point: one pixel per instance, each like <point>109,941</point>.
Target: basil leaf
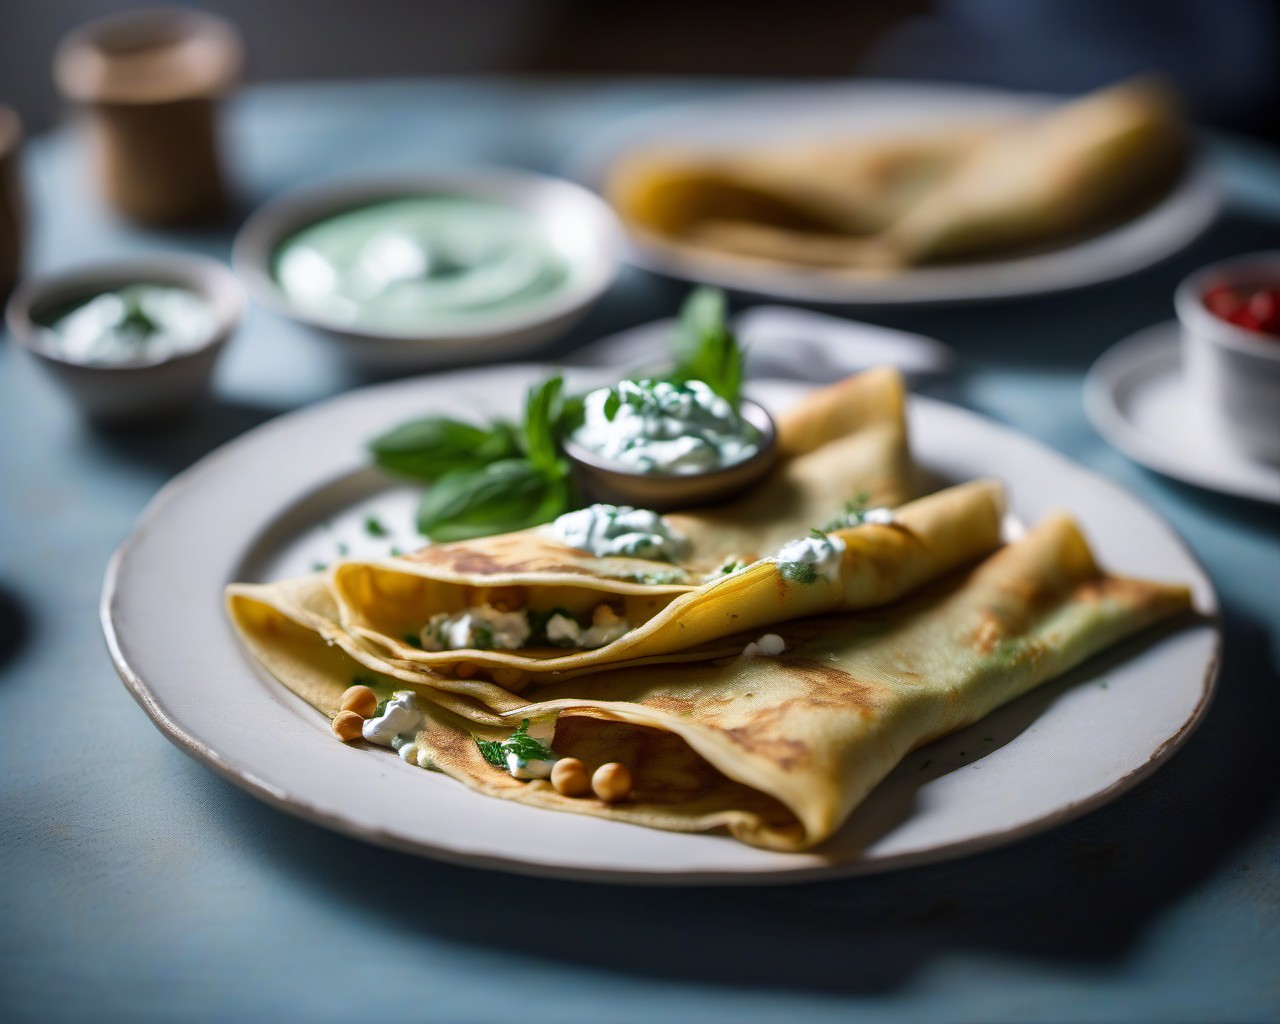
<point>427,449</point>
<point>504,496</point>
<point>541,421</point>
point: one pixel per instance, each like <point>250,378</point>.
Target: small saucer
<point>1136,398</point>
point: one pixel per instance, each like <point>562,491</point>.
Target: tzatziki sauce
<point>649,426</point>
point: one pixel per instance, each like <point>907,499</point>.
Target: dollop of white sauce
<point>606,530</point>
<point>520,769</point>
<point>768,646</point>
<point>400,719</point>
<point>480,627</point>
<point>878,516</point>
<point>543,730</point>
<point>823,552</point>
<point>662,427</point>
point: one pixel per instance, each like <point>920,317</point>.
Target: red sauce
<point>1255,309</point>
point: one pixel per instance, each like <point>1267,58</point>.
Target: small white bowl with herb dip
<point>433,270</point>
<point>666,445</point>
<point>131,339</point>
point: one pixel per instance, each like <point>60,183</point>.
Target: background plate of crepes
<point>883,192</point>
<point>295,499</point>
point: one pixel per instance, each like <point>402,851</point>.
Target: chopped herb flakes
<point>854,513</point>
<point>373,527</point>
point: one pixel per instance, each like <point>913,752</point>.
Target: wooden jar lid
<point>156,55</point>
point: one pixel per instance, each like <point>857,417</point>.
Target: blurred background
<point>1223,54</point>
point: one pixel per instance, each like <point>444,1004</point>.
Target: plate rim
<point>246,778</point>
<point>1197,195</point>
<point>1140,353</point>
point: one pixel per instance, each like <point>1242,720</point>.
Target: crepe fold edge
<point>1034,610</point>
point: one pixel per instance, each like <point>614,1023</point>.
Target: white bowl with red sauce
<point>1230,316</point>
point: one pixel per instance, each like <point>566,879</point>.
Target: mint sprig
<point>705,347</point>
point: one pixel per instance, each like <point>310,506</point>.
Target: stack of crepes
<point>929,624</point>
<point>900,201</point>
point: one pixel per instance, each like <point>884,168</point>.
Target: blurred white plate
<point>297,490</point>
<point>886,108</point>
<point>1136,398</point>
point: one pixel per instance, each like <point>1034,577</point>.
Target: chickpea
<point>612,782</point>
<point>569,777</point>
<point>605,615</point>
<point>348,726</point>
<point>465,669</point>
<point>506,599</point>
<point>508,677</point>
<point>360,699</point>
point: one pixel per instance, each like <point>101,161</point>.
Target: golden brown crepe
<point>1033,183</point>
<point>381,603</point>
<point>780,750</point>
<point>843,442</point>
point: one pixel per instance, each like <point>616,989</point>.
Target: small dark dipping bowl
<point>607,481</point>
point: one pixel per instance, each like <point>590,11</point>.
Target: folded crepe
<point>379,604</point>
<point>780,750</point>
<point>845,442</point>
<point>847,186</point>
<point>1034,183</point>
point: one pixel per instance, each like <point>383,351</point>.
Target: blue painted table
<point>136,885</point>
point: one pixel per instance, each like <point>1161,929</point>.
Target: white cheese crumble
<point>768,646</point>
<point>483,628</point>
<point>480,627</point>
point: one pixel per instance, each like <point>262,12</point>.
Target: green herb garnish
<point>798,572</point>
<point>488,480</point>
<point>500,498</point>
<point>427,449</point>
<point>373,527</point>
<point>135,317</point>
<point>520,743</point>
<point>482,638</point>
<point>413,640</point>
<point>854,514</point>
<point>705,347</point>
<point>318,566</point>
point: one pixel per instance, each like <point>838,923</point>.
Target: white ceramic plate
<point>297,491</point>
<point>888,108</point>
<point>1136,398</point>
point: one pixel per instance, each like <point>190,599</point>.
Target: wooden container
<point>12,210</point>
<point>149,82</point>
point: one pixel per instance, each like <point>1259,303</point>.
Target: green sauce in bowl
<point>399,265</point>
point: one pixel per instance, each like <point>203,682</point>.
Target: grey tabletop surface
<point>137,885</point>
